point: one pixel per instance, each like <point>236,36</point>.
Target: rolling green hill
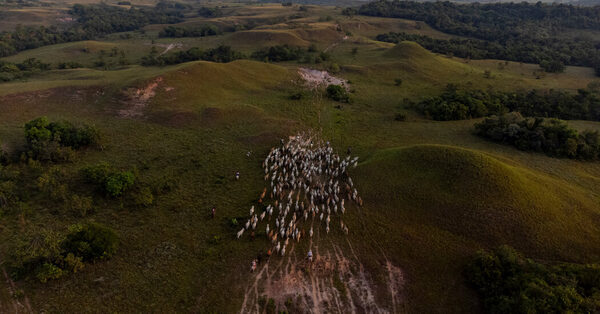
<point>434,193</point>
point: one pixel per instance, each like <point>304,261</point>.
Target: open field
<point>434,192</point>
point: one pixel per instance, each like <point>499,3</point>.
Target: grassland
<point>434,192</point>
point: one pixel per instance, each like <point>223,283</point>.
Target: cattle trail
<point>307,180</point>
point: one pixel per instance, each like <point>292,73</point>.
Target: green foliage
<point>298,95</point>
<point>55,141</point>
<point>337,93</point>
<point>81,205</point>
<point>222,54</point>
<point>14,71</point>
<point>349,11</point>
<point>509,283</point>
<point>199,31</point>
<point>29,253</point>
<point>49,255</point>
<point>92,21</point>
<point>112,181</point>
<point>48,271</point>
<point>69,65</point>
<point>455,104</point>
<point>506,31</point>
<point>117,183</point>
<point>91,242</point>
<point>284,53</point>
<point>142,197</point>
<point>551,136</point>
<point>398,82</point>
<point>552,66</point>
<point>210,12</point>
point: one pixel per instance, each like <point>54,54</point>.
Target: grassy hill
<point>432,205</point>
<point>433,192</point>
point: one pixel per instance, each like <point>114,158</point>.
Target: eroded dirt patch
<point>335,282</point>
<point>136,99</point>
<point>316,78</point>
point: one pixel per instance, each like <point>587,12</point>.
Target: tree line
<point>550,54</point>
<point>455,104</point>
<point>508,282</point>
<point>10,71</point>
<point>550,136</point>
<point>509,31</point>
<point>196,31</point>
<point>221,54</point>
<point>225,54</point>
<point>92,21</point>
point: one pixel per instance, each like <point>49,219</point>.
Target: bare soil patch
<point>316,78</point>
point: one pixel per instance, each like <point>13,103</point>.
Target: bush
<point>117,183</point>
<point>48,271</point>
<point>55,141</point>
<point>298,95</point>
<point>112,181</point>
<point>80,205</point>
<point>400,117</point>
<point>398,81</point>
<point>143,197</point>
<point>91,242</point>
<point>337,93</point>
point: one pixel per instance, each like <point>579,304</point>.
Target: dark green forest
<point>550,136</point>
<point>510,283</point>
<point>457,104</point>
<point>510,31</point>
<point>92,21</point>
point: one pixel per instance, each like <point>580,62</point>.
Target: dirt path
<point>336,282</point>
<point>169,47</point>
<point>18,301</point>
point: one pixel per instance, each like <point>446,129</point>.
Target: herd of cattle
<point>308,183</point>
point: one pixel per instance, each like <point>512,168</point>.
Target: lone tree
<point>337,93</point>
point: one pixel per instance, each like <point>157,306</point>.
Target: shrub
<point>91,242</point>
<point>337,93</point>
<point>113,182</point>
<point>143,197</point>
<point>80,205</point>
<point>398,81</point>
<point>73,263</point>
<point>29,253</point>
<point>117,183</point>
<point>400,117</point>
<point>298,95</point>
<point>55,141</point>
<point>48,271</point>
